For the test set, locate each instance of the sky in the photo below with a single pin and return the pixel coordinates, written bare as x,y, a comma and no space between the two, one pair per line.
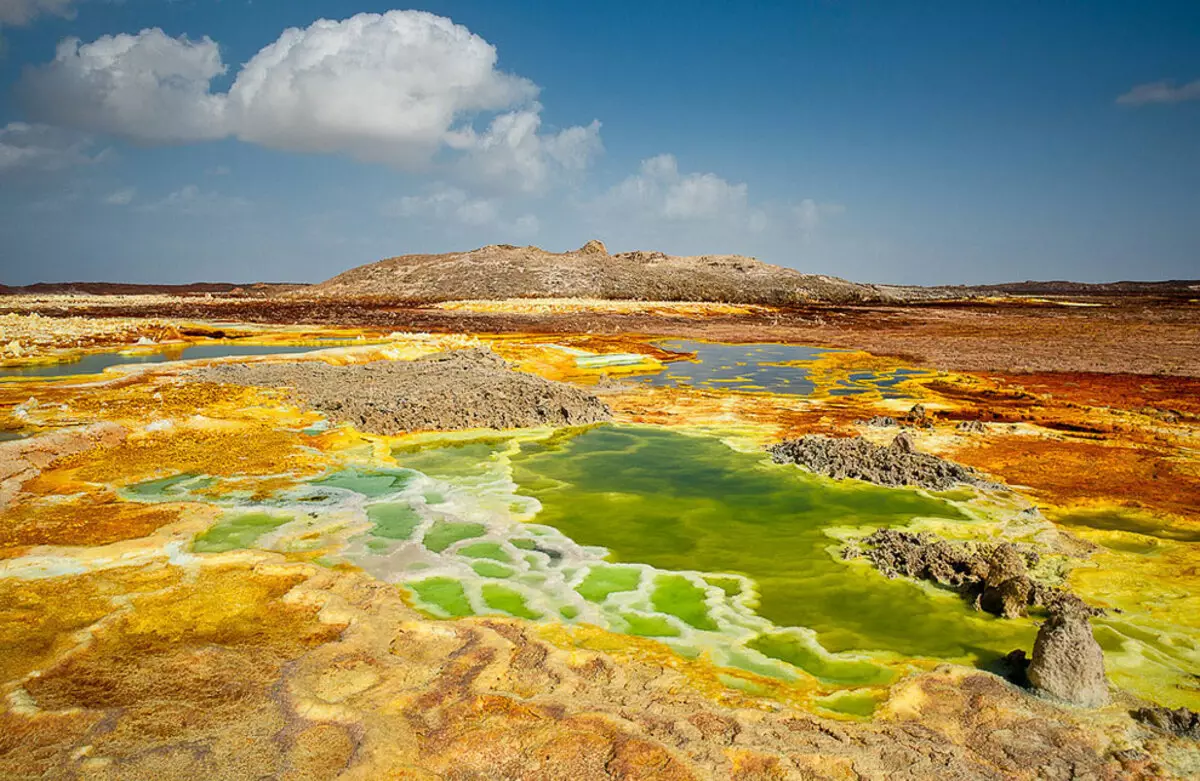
918,142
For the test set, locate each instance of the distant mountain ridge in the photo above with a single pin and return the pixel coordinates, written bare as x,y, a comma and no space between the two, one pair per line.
136,289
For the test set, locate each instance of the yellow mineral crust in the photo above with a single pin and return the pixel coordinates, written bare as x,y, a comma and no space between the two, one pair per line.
28,338
224,670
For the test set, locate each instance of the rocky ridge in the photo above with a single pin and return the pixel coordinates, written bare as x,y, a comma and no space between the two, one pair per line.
504,271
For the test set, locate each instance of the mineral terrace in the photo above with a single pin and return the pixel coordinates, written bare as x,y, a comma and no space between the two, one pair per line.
847,532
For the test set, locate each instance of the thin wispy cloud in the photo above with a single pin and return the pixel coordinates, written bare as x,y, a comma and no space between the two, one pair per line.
25,146
122,197
1160,92
21,12
453,206
192,201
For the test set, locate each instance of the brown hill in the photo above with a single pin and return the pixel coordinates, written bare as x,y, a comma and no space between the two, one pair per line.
503,271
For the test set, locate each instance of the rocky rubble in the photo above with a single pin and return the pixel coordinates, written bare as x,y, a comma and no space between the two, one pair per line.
461,389
1180,721
897,464
994,577
1067,662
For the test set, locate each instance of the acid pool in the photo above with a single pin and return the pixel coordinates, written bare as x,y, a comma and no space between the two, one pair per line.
94,363
759,368
640,530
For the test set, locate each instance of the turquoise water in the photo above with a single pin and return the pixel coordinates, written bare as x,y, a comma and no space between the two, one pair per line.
94,363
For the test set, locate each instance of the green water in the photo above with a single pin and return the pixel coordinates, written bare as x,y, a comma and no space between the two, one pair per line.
445,595
679,502
393,520
237,531
637,529
505,600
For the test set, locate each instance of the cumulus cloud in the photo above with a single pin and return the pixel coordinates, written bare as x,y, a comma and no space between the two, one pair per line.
22,12
660,191
453,205
512,150
122,197
42,148
395,88
383,87
663,205
192,201
446,203
1160,92
147,87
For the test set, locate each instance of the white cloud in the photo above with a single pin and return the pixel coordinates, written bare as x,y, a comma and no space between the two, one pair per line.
446,203
122,197
384,88
453,205
42,148
809,214
512,151
191,200
1160,92
22,12
397,88
147,87
660,191
219,170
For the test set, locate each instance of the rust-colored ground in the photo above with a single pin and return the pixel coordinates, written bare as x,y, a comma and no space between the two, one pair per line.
1121,335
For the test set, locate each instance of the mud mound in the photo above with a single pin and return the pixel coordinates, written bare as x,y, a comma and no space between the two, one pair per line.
502,271
895,465
454,390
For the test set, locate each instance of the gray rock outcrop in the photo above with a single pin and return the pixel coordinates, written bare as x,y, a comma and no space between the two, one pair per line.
898,464
1067,662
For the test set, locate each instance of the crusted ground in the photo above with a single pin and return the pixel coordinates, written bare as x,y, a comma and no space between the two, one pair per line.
461,389
1113,343
129,662
253,668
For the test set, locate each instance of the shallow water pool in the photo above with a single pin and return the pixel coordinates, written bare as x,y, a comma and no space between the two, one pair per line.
764,368
94,363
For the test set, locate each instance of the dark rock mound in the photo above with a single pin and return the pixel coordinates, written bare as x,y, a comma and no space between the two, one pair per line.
896,465
461,389
1180,721
1067,662
993,576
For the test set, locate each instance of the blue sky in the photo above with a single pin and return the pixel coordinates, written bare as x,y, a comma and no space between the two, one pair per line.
919,142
